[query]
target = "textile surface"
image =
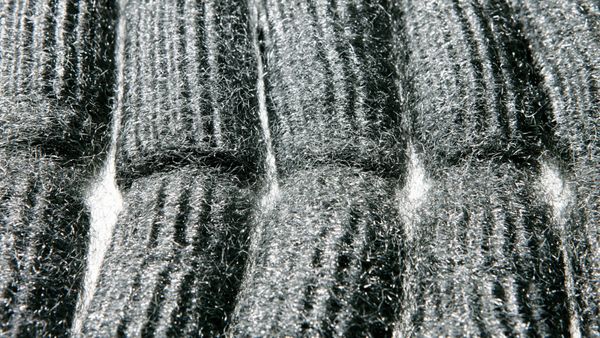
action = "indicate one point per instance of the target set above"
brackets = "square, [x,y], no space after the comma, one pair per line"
[362,168]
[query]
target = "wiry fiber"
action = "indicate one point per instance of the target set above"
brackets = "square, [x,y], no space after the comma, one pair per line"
[176,258]
[56,75]
[483,257]
[189,91]
[43,234]
[470,81]
[261,149]
[327,263]
[566,48]
[330,83]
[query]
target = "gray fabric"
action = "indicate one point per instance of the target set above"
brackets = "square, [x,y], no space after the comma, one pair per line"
[302,168]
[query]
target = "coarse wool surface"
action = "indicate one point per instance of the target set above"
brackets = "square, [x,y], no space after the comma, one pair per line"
[306,168]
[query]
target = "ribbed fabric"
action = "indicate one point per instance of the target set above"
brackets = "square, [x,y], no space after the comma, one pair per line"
[56,68]
[486,112]
[189,130]
[323,261]
[305,168]
[56,75]
[176,259]
[326,263]
[189,91]
[470,80]
[566,46]
[484,257]
[43,236]
[330,83]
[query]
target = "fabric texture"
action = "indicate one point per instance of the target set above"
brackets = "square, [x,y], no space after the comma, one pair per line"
[365,168]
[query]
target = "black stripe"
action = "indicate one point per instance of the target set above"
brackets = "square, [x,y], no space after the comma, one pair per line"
[341,274]
[182,216]
[8,299]
[158,297]
[158,211]
[156,83]
[186,293]
[476,306]
[475,60]
[211,81]
[522,272]
[68,87]
[501,311]
[48,72]
[25,47]
[490,45]
[182,63]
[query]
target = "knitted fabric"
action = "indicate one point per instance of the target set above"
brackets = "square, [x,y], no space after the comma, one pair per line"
[485,257]
[303,168]
[55,75]
[43,236]
[176,259]
[189,86]
[330,84]
[326,259]
[55,84]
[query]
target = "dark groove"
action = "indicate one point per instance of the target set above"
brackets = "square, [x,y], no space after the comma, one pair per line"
[186,110]
[152,243]
[542,103]
[180,317]
[183,213]
[344,248]
[8,296]
[158,212]
[460,118]
[79,44]
[475,60]
[553,293]
[316,263]
[210,81]
[49,38]
[527,81]
[123,324]
[380,263]
[131,98]
[121,329]
[476,312]
[23,236]
[68,87]
[155,83]
[501,310]
[494,60]
[523,272]
[28,39]
[348,66]
[329,65]
[204,220]
[158,297]
[20,244]
[197,311]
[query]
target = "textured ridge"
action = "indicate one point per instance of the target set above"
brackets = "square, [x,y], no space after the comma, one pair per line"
[55,75]
[176,258]
[189,86]
[330,83]
[43,237]
[566,49]
[326,264]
